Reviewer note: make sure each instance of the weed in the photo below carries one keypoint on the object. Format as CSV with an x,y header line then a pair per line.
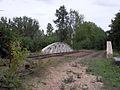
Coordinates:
x,y
84,88
69,80
32,86
74,65
70,58
62,86
73,88
88,70
78,75
44,83
9,81
99,79
106,69
39,81
4,62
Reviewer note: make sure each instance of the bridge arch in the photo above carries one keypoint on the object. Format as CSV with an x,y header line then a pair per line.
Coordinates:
x,y
57,47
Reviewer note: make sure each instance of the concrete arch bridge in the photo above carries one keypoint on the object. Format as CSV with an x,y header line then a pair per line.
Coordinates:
x,y
57,47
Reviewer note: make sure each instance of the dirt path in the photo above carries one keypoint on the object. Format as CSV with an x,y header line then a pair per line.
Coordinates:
x,y
88,55
69,76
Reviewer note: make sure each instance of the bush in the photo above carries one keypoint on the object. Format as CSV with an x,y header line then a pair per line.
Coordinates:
x,y
105,68
9,81
3,62
18,55
8,76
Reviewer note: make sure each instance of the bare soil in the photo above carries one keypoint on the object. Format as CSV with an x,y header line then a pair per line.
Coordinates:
x,y
68,76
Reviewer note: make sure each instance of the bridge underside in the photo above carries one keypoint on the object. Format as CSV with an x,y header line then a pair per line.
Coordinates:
x,y
57,47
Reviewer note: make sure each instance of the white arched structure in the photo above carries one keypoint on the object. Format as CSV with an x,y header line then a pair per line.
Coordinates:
x,y
57,47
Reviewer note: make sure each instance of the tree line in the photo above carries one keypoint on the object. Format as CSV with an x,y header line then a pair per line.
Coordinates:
x,y
114,33
71,28
21,35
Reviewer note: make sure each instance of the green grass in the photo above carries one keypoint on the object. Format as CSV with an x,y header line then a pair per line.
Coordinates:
x,y
105,68
3,62
92,50
115,54
68,58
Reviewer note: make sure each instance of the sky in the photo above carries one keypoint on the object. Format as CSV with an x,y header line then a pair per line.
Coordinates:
x,y
98,11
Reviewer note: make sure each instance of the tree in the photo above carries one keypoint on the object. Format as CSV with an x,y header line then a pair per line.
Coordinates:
x,y
89,36
6,36
24,26
114,33
75,20
27,30
21,28
49,29
62,22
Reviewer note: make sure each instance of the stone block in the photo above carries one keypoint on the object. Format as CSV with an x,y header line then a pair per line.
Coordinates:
x,y
109,49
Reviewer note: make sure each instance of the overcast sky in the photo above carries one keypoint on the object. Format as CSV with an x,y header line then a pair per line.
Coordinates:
x,y
98,11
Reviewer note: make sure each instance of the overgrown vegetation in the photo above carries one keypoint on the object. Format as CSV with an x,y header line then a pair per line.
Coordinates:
x,y
114,32
105,68
8,76
20,34
71,28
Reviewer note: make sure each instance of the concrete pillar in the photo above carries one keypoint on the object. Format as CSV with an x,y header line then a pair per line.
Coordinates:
x,y
109,49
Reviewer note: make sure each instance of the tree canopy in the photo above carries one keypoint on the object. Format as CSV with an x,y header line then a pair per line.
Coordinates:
x,y
114,33
71,28
49,29
61,22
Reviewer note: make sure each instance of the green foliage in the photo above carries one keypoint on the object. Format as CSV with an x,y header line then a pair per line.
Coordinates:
x,y
37,43
72,29
89,36
18,55
75,20
69,58
49,29
8,76
114,33
25,26
84,88
9,81
78,33
69,80
4,62
5,37
116,54
22,28
61,22
105,68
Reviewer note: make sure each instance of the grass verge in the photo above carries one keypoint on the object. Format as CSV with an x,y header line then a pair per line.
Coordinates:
x,y
105,68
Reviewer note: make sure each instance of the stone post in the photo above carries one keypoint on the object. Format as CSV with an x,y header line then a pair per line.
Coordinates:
x,y
109,49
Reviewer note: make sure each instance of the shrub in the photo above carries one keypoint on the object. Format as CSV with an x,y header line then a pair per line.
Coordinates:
x,y
9,81
18,55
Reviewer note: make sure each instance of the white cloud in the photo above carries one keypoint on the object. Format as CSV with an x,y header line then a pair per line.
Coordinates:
x,y
99,12
110,3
